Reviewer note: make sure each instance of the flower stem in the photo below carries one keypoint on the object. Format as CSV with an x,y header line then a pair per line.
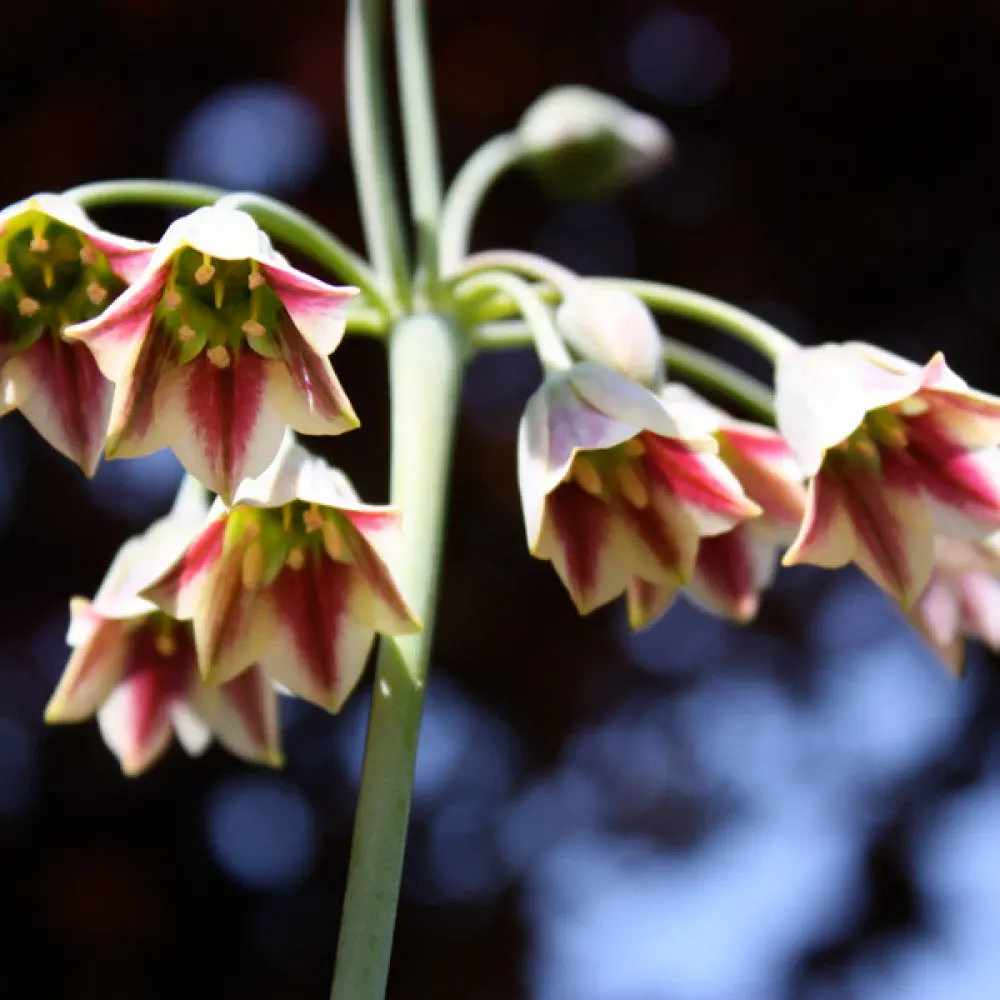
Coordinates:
x,y
280,220
467,193
425,370
419,132
369,141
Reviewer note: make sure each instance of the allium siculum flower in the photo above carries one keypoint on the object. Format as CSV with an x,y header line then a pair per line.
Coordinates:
x,y
613,491
216,348
962,599
136,667
896,454
735,566
57,268
293,576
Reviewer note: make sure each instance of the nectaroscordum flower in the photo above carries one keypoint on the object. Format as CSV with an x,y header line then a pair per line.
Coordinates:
x,y
57,268
896,453
217,347
733,567
611,489
293,576
962,599
136,667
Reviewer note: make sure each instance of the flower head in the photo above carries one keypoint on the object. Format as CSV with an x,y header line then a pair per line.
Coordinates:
x,y
293,576
962,599
896,453
57,268
136,666
217,347
613,491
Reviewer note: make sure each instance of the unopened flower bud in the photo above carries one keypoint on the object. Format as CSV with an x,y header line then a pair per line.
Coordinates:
x,y
614,328
583,144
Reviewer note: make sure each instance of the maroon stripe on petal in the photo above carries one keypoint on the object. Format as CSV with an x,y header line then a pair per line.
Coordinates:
x,y
582,524
136,412
199,557
248,693
655,533
725,564
311,374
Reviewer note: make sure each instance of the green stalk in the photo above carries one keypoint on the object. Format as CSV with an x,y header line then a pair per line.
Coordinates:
x,y
369,140
419,132
467,193
425,372
282,221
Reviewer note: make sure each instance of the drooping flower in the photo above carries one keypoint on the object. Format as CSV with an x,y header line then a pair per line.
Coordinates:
x,y
896,454
613,491
735,566
614,328
217,347
293,576
962,599
136,667
58,268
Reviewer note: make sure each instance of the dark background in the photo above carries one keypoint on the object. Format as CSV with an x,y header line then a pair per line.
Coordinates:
x,y
807,808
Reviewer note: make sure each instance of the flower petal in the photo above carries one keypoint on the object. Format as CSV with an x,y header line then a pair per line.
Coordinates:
x,y
826,537
979,599
59,389
321,649
647,602
623,400
732,570
664,540
180,589
936,617
217,420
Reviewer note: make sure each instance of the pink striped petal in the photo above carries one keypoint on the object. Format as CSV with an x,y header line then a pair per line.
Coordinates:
x,y
95,668
936,617
217,420
136,721
59,389
826,537
180,591
732,570
763,464
320,650
647,602
979,599
664,540
317,309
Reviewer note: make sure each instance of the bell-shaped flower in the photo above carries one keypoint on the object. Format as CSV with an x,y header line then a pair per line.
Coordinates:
x,y
613,491
962,599
136,667
295,576
216,348
896,454
614,328
735,566
58,268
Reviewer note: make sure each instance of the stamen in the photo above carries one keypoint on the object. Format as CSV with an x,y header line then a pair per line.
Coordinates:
x,y
286,517
252,530
28,306
632,486
186,333
90,255
219,287
634,448
914,406
254,329
586,475
206,272
96,293
5,271
865,449
48,275
172,299
255,281
895,437
166,644
253,566
312,519
219,356
296,558
39,244
333,542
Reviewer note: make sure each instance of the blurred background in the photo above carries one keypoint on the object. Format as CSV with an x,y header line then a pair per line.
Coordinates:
x,y
806,809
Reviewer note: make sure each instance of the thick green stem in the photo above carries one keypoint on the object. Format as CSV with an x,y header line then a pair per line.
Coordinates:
x,y
282,221
425,372
369,134
467,193
419,132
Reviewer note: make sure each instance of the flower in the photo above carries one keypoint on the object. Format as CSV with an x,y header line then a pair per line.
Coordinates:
x,y
216,348
614,328
293,576
58,268
613,491
136,667
583,144
733,567
896,454
962,599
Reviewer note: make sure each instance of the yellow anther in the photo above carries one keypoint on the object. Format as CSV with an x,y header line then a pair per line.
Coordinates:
x,y
39,244
5,271
253,566
865,449
312,518
90,255
252,530
96,293
172,299
296,558
166,644
632,486
28,306
914,406
334,542
254,329
219,287
586,475
634,448
219,356
255,281
894,437
206,272
186,334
